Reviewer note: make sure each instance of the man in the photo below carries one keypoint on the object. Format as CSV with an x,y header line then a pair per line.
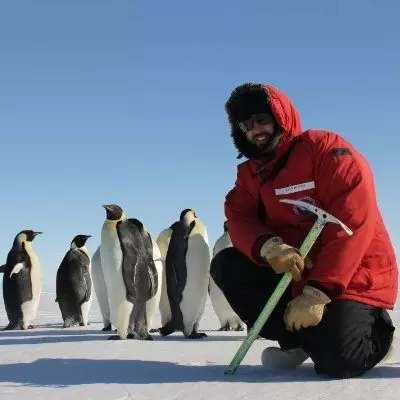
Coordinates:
x,y
335,309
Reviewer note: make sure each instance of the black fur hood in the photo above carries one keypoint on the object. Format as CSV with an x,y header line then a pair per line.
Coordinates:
x,y
255,98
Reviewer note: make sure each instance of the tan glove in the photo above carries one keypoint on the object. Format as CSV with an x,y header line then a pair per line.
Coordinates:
x,y
283,258
306,310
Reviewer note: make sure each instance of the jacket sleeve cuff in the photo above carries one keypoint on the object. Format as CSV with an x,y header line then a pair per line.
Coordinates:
x,y
255,251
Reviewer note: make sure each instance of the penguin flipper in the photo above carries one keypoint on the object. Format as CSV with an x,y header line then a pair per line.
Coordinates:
x,y
2,268
134,269
17,267
75,261
176,259
148,247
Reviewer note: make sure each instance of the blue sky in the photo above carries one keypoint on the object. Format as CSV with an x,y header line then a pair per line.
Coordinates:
x,y
123,102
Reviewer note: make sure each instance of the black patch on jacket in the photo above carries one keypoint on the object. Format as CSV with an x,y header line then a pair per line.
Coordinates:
x,y
343,151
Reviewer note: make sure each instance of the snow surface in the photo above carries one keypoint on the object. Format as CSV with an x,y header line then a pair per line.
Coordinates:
x,y
79,363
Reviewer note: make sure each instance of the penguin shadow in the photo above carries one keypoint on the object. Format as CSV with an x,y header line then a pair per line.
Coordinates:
x,y
64,372
51,333
216,336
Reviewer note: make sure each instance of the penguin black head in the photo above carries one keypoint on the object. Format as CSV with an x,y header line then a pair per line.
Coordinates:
x,y
25,236
186,211
79,241
114,212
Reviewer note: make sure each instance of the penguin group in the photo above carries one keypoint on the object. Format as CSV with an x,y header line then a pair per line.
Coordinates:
x,y
132,274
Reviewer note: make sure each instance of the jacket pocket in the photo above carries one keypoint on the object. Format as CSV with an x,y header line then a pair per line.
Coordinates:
x,y
361,280
384,278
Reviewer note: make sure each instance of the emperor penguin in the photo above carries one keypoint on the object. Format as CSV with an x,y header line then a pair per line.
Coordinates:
x,y
187,273
132,272
22,282
227,317
74,283
100,289
163,240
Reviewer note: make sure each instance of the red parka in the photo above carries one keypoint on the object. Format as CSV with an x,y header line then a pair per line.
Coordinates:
x,y
326,170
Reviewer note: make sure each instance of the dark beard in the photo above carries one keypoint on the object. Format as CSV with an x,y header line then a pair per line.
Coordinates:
x,y
266,151
270,145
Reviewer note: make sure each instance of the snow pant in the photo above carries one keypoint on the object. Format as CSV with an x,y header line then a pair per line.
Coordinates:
x,y
351,338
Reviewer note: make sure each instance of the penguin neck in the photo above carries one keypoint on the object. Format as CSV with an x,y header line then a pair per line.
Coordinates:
x,y
83,249
28,247
32,255
115,221
188,219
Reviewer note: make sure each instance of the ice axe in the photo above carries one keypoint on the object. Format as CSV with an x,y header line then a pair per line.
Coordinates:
x,y
322,219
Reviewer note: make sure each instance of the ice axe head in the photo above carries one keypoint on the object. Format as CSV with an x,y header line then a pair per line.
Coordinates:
x,y
322,215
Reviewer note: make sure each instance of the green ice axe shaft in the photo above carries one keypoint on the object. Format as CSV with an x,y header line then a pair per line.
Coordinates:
x,y
312,236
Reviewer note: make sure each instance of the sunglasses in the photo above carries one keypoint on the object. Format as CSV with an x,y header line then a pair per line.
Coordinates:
x,y
262,119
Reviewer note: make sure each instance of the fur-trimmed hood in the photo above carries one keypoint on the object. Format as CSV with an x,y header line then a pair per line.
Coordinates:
x,y
254,98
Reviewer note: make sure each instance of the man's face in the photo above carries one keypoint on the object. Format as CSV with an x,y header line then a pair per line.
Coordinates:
x,y
259,129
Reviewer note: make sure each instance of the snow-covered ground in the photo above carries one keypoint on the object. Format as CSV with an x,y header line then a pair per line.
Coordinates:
x,y
79,363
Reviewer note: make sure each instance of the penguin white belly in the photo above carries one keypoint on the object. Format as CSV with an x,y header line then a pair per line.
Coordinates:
x,y
153,303
165,308
29,308
111,261
100,287
85,306
226,316
194,294
222,243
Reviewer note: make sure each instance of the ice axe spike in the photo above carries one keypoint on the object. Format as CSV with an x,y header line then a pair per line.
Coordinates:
x,y
322,219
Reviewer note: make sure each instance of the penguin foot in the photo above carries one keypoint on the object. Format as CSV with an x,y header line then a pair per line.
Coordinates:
x,y
142,336
166,330
239,328
154,330
10,327
225,328
67,325
31,327
83,324
196,335
114,337
107,328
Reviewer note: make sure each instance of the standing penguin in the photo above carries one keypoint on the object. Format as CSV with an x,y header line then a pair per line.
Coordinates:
x,y
163,240
101,289
22,282
187,274
74,283
227,317
130,272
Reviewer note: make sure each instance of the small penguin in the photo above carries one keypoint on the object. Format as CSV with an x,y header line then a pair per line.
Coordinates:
x,y
101,289
132,273
187,273
74,283
22,282
227,317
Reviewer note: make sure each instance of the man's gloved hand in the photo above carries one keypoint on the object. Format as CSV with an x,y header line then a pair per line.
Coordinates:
x,y
306,310
283,258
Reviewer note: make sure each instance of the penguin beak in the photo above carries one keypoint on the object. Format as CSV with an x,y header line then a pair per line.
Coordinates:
x,y
107,207
37,233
